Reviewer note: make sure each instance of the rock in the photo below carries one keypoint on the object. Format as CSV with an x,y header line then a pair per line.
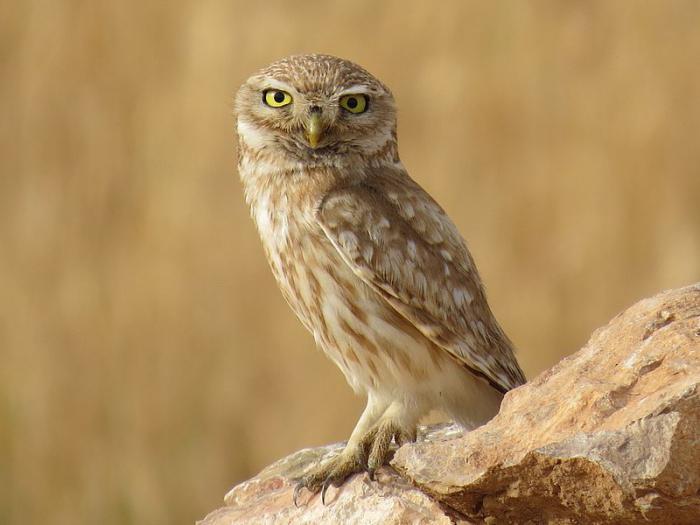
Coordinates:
x,y
608,435
611,434
267,498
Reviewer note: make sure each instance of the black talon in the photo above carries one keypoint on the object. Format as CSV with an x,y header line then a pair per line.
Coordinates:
x,y
327,483
370,472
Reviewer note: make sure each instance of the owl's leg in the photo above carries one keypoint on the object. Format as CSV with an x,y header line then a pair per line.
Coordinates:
x,y
396,424
352,459
367,449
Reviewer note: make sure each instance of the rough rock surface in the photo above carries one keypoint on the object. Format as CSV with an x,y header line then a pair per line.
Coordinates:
x,y
611,434
267,498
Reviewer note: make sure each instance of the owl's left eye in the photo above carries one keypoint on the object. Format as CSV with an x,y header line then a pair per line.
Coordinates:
x,y
276,98
354,103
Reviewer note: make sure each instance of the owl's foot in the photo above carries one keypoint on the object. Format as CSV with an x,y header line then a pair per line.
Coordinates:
x,y
332,472
370,453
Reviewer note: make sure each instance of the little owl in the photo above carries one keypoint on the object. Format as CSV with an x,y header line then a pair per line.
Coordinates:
x,y
368,261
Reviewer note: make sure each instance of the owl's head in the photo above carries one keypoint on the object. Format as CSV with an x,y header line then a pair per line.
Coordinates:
x,y
311,107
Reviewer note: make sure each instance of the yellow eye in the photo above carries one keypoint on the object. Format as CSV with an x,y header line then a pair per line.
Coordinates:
x,y
276,98
354,103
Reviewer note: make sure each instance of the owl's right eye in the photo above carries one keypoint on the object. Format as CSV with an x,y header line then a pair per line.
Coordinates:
x,y
276,98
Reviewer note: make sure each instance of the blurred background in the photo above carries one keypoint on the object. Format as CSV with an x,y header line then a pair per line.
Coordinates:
x,y
148,361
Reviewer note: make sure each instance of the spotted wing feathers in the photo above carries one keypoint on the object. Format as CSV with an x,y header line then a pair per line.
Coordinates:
x,y
399,241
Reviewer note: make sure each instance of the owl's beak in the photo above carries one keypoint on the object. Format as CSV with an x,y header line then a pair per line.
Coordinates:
x,y
314,129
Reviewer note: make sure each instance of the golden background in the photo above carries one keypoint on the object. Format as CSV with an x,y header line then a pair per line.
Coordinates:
x,y
147,359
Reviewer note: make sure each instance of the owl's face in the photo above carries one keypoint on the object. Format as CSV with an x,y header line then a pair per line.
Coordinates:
x,y
311,107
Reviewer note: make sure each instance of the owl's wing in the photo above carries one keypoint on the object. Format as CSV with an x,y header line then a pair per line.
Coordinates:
x,y
400,242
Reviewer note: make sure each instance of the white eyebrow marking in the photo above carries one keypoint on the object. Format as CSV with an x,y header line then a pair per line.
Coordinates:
x,y
278,84
357,89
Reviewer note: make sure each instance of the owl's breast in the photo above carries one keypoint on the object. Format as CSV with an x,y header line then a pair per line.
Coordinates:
x,y
370,342
299,253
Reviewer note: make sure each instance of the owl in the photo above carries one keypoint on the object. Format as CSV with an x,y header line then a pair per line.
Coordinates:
x,y
368,261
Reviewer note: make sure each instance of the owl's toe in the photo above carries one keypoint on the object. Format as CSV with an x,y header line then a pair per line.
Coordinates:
x,y
371,452
379,444
333,472
403,436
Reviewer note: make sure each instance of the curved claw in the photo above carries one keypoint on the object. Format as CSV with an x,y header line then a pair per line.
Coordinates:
x,y
326,483
295,495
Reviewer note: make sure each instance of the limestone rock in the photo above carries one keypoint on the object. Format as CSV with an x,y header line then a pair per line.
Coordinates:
x,y
267,498
611,434
608,435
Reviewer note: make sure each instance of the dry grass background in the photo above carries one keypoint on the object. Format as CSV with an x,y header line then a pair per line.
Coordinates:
x,y
148,361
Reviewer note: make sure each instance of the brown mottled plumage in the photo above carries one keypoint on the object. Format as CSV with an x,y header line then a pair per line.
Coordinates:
x,y
368,261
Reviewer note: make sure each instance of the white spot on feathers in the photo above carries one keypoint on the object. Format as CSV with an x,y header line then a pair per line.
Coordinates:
x,y
349,241
412,251
461,297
